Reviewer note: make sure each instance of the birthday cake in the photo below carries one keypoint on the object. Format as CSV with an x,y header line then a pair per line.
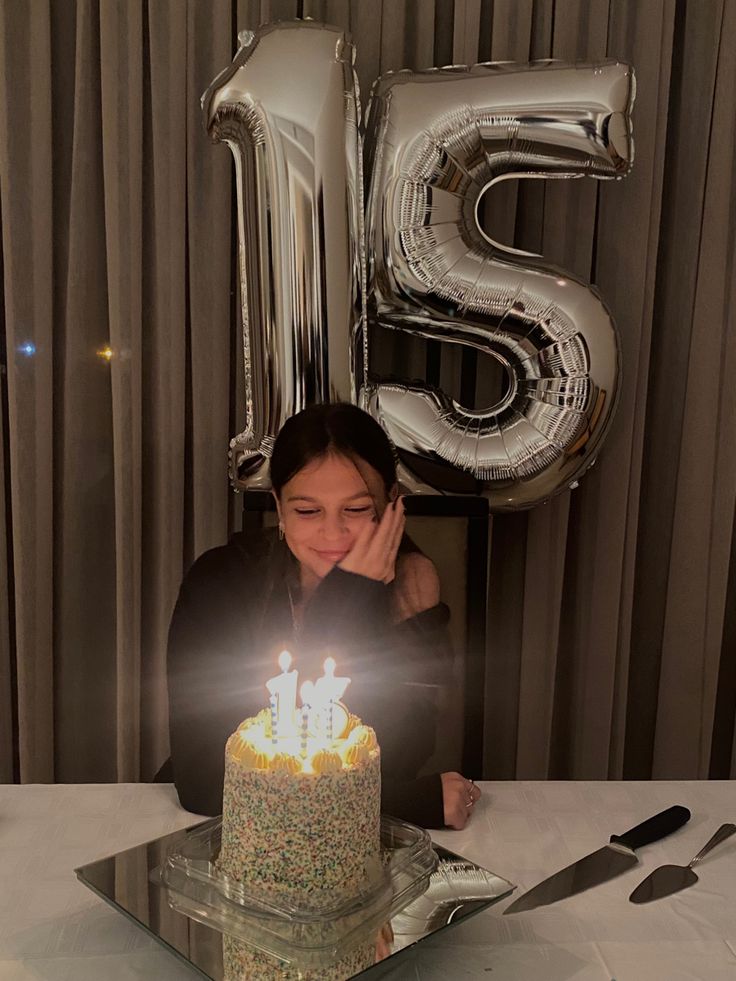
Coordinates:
x,y
301,800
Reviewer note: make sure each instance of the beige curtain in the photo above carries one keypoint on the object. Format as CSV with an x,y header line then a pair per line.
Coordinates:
x,y
612,625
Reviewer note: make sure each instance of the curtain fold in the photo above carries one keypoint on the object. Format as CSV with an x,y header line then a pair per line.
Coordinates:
x,y
611,639
85,650
540,635
595,602
121,75
668,723
647,33
8,722
702,512
209,261
26,208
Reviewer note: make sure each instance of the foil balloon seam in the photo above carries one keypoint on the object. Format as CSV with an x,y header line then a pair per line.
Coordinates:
x,y
232,124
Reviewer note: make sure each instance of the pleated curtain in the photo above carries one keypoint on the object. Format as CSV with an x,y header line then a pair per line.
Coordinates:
x,y
611,647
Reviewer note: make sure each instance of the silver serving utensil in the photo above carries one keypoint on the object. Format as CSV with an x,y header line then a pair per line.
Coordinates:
x,y
602,865
672,878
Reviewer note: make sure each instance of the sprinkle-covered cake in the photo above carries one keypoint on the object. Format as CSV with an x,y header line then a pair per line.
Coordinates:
x,y
242,962
301,805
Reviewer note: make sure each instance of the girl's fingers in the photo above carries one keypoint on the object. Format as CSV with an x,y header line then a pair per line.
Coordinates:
x,y
367,532
381,541
393,549
385,526
455,800
376,546
398,530
360,548
396,533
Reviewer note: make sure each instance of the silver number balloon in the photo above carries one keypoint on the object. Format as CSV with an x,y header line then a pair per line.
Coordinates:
x,y
437,140
288,109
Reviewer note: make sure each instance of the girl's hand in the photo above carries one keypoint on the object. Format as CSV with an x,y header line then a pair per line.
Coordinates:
x,y
384,941
374,553
459,797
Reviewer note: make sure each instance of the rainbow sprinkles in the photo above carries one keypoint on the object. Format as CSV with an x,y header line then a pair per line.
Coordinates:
x,y
301,801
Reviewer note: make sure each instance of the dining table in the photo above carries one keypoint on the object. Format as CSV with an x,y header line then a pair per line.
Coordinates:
x,y
53,928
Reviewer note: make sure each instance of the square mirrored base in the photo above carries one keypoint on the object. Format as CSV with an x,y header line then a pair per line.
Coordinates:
x,y
131,882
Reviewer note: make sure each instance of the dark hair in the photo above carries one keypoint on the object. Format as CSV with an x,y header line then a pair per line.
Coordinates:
x,y
337,427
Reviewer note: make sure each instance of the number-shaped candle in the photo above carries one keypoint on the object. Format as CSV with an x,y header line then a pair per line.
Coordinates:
x,y
327,690
282,688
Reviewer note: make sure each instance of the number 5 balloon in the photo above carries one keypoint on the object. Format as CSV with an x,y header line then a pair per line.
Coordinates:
x,y
438,139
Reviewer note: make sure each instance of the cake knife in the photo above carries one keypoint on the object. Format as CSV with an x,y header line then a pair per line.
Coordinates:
x,y
606,863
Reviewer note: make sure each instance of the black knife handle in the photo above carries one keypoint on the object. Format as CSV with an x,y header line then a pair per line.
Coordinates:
x,y
654,828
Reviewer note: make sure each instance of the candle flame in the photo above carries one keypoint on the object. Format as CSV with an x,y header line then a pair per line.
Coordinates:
x,y
284,661
329,667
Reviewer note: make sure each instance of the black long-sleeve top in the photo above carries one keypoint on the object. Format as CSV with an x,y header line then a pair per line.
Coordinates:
x,y
233,617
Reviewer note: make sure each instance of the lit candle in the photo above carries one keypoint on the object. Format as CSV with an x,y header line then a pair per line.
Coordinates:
x,y
328,690
307,693
282,688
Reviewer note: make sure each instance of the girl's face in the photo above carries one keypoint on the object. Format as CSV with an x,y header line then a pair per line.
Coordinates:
x,y
323,508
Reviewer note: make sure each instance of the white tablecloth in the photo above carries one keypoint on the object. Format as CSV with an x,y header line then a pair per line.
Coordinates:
x,y
52,928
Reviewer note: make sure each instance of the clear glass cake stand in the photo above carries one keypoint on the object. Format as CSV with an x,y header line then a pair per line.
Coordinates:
x,y
171,888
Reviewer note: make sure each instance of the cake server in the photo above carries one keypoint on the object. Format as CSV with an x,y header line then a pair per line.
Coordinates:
x,y
672,878
614,858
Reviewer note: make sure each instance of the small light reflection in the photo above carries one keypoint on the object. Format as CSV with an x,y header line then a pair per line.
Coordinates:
x,y
29,349
561,282
106,353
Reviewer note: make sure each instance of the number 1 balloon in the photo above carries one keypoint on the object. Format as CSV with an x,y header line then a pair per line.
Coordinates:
x,y
288,109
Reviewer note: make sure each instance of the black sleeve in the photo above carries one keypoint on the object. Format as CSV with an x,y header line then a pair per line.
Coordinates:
x,y
418,801
213,683
396,672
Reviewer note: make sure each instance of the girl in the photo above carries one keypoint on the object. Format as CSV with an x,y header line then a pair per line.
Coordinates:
x,y
338,576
